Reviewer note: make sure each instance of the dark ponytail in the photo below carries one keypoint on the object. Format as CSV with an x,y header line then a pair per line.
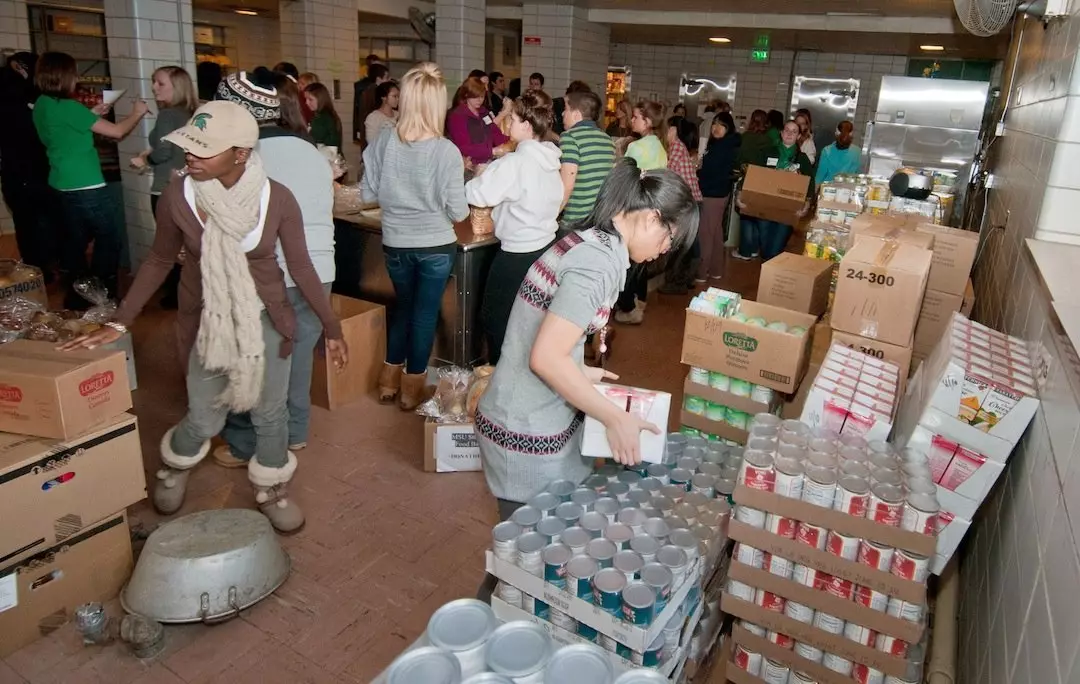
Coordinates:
x,y
628,189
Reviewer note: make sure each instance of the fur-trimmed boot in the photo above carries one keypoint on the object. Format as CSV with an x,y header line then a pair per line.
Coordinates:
x,y
414,391
390,382
172,480
270,494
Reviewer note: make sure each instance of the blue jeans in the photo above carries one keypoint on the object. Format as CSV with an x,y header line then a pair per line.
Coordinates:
x,y
773,238
239,432
419,277
90,216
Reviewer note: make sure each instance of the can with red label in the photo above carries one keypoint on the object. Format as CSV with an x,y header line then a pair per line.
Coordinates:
x,y
891,645
740,590
920,513
839,587
842,546
819,487
799,612
855,469
864,636
775,672
750,516
864,674
781,640
828,623
811,535
801,678
886,476
811,653
747,555
809,577
789,477
852,496
747,660
886,504
905,610
871,598
833,662
758,471
755,629
910,566
769,601
777,565
781,526
876,556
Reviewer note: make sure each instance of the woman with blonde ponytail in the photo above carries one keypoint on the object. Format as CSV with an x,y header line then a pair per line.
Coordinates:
x,y
235,323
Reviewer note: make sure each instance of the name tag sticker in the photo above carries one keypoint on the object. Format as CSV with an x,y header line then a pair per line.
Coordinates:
x,y
772,161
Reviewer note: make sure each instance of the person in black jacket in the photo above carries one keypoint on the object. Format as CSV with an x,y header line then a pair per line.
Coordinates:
x,y
24,168
715,180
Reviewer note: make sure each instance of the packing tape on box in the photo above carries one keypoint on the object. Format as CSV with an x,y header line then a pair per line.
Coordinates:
x,y
887,251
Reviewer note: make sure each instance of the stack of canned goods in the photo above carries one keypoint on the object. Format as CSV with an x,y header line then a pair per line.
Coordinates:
x,y
776,672
690,455
625,543
467,645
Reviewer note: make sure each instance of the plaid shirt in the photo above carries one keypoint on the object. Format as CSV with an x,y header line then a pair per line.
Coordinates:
x,y
679,161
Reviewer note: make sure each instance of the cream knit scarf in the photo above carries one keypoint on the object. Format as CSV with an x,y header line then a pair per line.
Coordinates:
x,y
230,338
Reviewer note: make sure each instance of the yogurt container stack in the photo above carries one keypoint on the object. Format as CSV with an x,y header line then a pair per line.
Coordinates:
x,y
848,525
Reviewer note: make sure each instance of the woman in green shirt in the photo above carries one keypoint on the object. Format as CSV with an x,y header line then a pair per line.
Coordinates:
x,y
66,128
326,124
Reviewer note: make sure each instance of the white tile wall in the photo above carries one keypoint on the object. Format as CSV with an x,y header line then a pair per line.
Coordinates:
x,y
256,41
1020,612
571,47
656,71
14,36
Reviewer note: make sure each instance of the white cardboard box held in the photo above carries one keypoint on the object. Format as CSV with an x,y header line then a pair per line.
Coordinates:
x,y
650,405
636,638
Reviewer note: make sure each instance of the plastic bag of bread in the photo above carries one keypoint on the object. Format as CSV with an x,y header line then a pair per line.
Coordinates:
x,y
481,379
451,393
480,218
16,315
93,291
21,280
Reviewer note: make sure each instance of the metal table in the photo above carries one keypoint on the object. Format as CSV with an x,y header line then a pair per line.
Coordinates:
x,y
361,273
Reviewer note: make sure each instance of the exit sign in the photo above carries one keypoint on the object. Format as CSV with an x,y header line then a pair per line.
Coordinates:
x,y
759,55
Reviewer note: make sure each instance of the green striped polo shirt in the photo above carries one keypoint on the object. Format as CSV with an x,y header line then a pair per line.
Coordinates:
x,y
594,153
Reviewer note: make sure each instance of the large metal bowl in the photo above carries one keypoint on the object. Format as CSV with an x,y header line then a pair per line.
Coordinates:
x,y
206,567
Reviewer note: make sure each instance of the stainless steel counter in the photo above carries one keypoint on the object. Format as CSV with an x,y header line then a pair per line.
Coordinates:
x,y
361,273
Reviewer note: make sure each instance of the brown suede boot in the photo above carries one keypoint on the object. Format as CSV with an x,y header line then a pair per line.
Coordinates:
x,y
389,383
414,391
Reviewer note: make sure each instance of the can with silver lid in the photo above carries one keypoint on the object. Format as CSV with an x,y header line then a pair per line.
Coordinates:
x,y
526,517
504,540
674,559
755,629
774,672
659,578
519,650
811,535
425,665
638,497
819,486
562,489
556,556
629,478
618,490
580,571
628,563
864,636
799,612
801,678
875,555
686,512
680,477
663,503
854,469
697,500
552,528
602,551
576,538
488,678
758,471
852,496
645,545
854,441
651,485
789,477
633,518
529,547
579,663
562,620
619,534
842,545
608,584
569,512
653,654
703,484
621,650
675,522
638,604
886,504
905,610
910,566
545,502
641,676
685,540
740,590
921,485
508,593
594,522
597,483
584,497
920,513
837,664
463,627
607,506
886,476
659,471
781,526
811,653
673,491
745,659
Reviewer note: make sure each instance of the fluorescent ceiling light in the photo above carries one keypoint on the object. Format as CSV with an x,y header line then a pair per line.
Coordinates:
x,y
932,48
247,12
718,39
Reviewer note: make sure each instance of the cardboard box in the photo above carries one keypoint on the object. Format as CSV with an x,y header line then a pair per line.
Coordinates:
x,y
894,353
773,194
879,290
764,357
954,256
127,345
889,229
649,405
870,221
451,448
50,489
41,593
935,316
951,531
964,477
363,325
796,282
634,637
50,393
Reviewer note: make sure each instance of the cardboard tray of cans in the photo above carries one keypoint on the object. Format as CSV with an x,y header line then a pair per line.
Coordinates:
x,y
634,637
671,667
722,428
785,656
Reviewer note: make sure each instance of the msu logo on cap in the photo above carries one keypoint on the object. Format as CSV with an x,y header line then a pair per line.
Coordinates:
x,y
199,120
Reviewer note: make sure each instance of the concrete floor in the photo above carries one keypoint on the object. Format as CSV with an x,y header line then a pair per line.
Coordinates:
x,y
384,546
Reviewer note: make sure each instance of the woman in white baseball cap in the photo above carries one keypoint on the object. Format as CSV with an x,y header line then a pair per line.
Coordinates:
x,y
235,323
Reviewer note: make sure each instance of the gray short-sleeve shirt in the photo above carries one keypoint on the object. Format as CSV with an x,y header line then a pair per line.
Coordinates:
x,y
529,435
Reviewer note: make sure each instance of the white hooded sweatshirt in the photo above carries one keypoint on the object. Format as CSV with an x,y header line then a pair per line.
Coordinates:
x,y
526,190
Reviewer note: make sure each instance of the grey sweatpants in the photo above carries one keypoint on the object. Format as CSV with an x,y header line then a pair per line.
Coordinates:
x,y
270,417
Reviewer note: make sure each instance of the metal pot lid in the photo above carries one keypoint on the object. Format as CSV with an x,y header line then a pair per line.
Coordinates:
x,y
461,625
426,665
